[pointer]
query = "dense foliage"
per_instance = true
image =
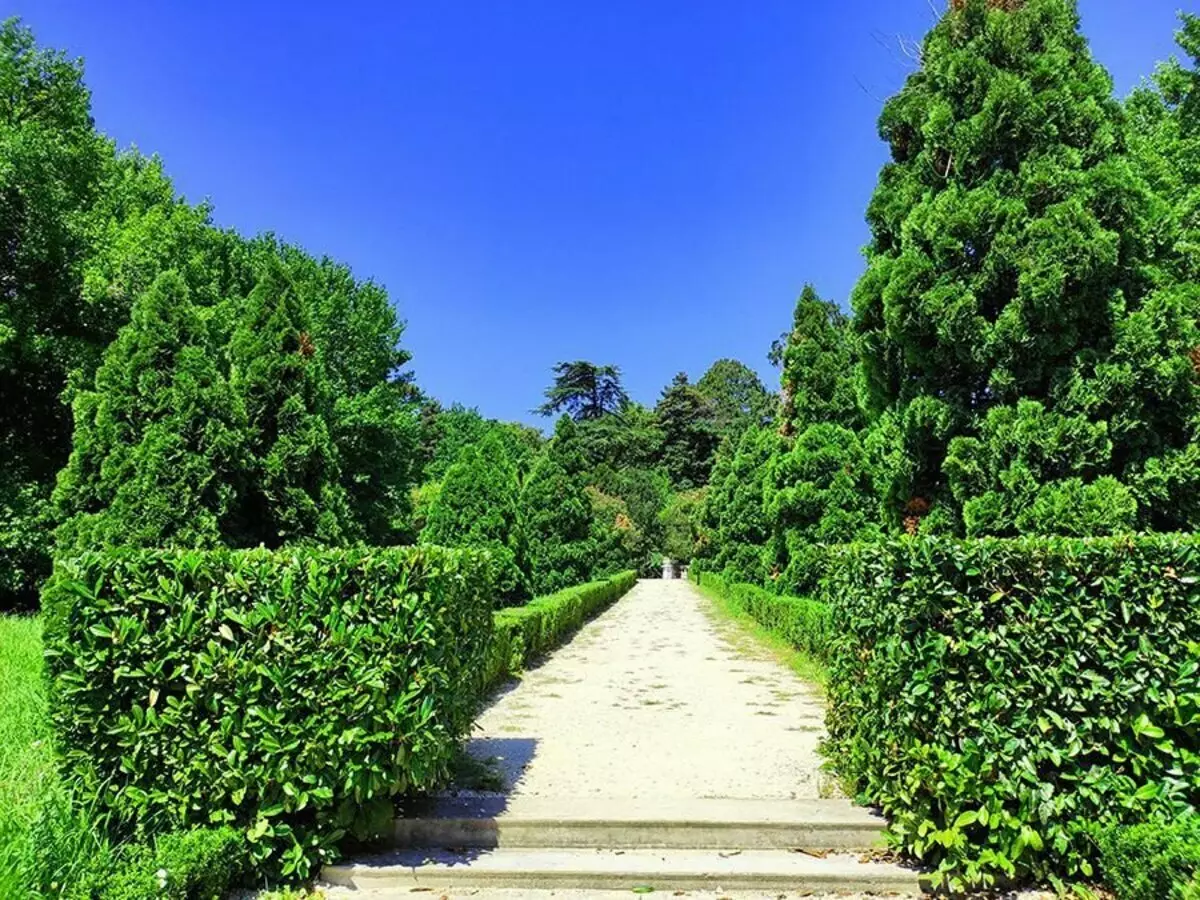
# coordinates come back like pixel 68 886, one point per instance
pixel 999 699
pixel 557 516
pixel 1017 334
pixel 313 432
pixel 1153 861
pixel 690 436
pixel 293 694
pixel 477 506
pixel 178 865
pixel 53 165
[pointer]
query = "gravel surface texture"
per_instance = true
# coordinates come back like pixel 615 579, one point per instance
pixel 657 698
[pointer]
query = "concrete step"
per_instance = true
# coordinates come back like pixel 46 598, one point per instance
pixel 623 824
pixel 626 870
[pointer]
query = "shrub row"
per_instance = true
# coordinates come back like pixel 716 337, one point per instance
pixel 1003 699
pixel 291 694
pixel 1153 862
pixel 523 633
pixel 198 864
pixel 802 622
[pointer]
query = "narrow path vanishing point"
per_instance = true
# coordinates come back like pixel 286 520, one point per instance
pixel 656 699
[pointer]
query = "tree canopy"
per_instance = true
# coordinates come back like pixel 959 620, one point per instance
pixel 585 391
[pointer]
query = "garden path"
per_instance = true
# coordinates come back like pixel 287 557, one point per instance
pixel 657 698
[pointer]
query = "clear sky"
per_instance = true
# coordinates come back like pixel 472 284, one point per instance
pixel 647 183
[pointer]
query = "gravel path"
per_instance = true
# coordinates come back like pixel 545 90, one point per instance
pixel 657 697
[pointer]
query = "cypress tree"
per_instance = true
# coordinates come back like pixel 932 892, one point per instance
pixel 556 515
pixel 818 361
pixel 734 519
pixel 477 507
pixel 293 491
pixel 1007 277
pixel 160 439
pixel 816 491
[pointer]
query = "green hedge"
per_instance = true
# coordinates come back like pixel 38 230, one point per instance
pixel 1153 862
pixel 199 864
pixel 292 693
pixel 999 698
pixel 803 623
pixel 523 633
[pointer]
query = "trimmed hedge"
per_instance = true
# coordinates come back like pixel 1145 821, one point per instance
pixel 292 694
pixel 199 864
pixel 1153 862
pixel 523 633
pixel 803 623
pixel 1000 699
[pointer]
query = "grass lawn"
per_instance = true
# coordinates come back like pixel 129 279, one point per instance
pixel 44 840
pixel 26 759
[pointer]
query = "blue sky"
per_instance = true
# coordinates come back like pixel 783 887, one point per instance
pixel 641 183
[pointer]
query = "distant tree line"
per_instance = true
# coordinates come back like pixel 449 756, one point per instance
pixel 168 383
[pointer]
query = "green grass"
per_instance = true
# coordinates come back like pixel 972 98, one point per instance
pixel 26 756
pixel 749 633
pixel 45 840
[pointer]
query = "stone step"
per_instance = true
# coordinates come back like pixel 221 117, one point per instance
pixel 625 870
pixel 623 824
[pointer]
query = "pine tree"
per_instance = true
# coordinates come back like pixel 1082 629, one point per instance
pixel 294 490
pixel 160 439
pixel 477 506
pixel 556 515
pixel 1008 264
pixel 690 439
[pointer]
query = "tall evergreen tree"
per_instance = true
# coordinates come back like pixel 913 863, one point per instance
pixel 818 360
pixel 374 418
pixel 160 440
pixel 1165 119
pixel 1008 263
pixel 690 439
pixel 816 491
pixel 737 398
pixel 477 506
pixel 556 515
pixel 294 491
pixel 734 516
pixel 585 391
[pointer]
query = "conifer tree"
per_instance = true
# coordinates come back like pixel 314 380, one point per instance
pixel 816 491
pixel 736 397
pixel 294 490
pixel 734 518
pixel 556 515
pixel 477 507
pixel 1008 263
pixel 818 362
pixel 690 439
pixel 160 439
pixel 1165 124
